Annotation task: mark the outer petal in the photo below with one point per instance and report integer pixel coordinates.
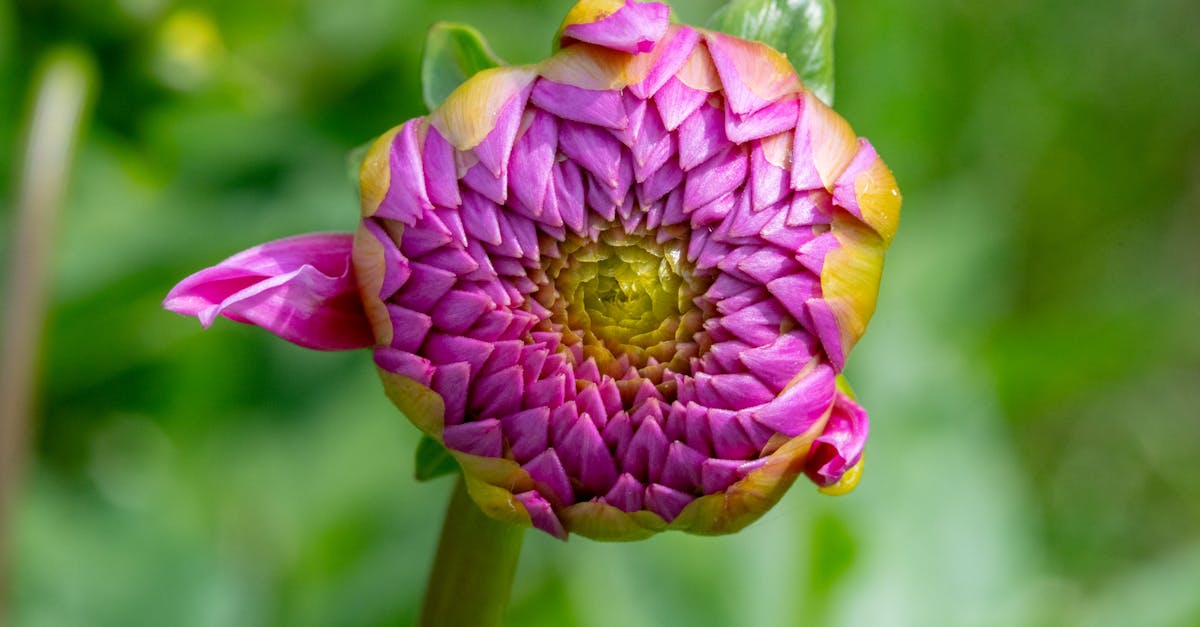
(753, 74)
(849, 287)
(868, 190)
(300, 288)
(470, 112)
(840, 447)
(628, 27)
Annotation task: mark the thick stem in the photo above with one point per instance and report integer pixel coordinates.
(473, 571)
(61, 91)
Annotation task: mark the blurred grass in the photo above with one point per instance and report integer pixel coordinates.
(1031, 371)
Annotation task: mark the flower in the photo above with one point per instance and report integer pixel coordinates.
(619, 285)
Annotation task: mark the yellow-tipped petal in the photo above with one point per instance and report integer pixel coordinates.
(497, 503)
(834, 143)
(601, 521)
(850, 277)
(369, 271)
(847, 483)
(421, 405)
(589, 11)
(469, 113)
(497, 471)
(592, 67)
(879, 199)
(375, 175)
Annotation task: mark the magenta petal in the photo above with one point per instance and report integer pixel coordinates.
(825, 325)
(300, 288)
(672, 54)
(840, 447)
(585, 455)
(406, 197)
(647, 451)
(626, 494)
(527, 432)
(718, 474)
(632, 28)
(450, 381)
(482, 437)
(665, 501)
(800, 406)
(599, 107)
(547, 470)
(541, 514)
(681, 471)
(778, 362)
(771, 119)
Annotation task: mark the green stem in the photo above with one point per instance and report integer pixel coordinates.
(62, 88)
(473, 571)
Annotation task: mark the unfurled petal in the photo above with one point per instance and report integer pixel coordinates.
(300, 288)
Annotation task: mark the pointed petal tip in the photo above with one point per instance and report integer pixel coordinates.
(300, 288)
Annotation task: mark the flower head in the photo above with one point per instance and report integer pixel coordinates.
(619, 285)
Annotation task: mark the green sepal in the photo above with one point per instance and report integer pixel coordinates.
(433, 460)
(801, 29)
(453, 53)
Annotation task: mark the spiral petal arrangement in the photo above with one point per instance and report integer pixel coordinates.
(630, 275)
(619, 285)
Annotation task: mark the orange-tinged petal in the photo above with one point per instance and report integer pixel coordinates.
(833, 141)
(699, 71)
(592, 67)
(778, 149)
(470, 112)
(369, 270)
(751, 66)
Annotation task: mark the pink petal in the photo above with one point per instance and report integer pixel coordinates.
(632, 28)
(300, 288)
(840, 447)
(800, 406)
(541, 514)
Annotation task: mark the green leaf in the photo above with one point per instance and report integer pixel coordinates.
(801, 29)
(453, 53)
(433, 460)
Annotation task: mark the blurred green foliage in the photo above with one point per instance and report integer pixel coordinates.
(1031, 372)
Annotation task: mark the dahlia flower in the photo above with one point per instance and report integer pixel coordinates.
(619, 285)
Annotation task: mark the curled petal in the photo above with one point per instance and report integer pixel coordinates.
(300, 288)
(839, 448)
(629, 27)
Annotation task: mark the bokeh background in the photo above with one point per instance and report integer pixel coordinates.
(1033, 371)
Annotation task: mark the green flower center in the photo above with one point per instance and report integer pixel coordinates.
(629, 300)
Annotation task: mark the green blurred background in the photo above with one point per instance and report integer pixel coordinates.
(1033, 371)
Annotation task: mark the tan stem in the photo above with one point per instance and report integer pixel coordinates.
(61, 91)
